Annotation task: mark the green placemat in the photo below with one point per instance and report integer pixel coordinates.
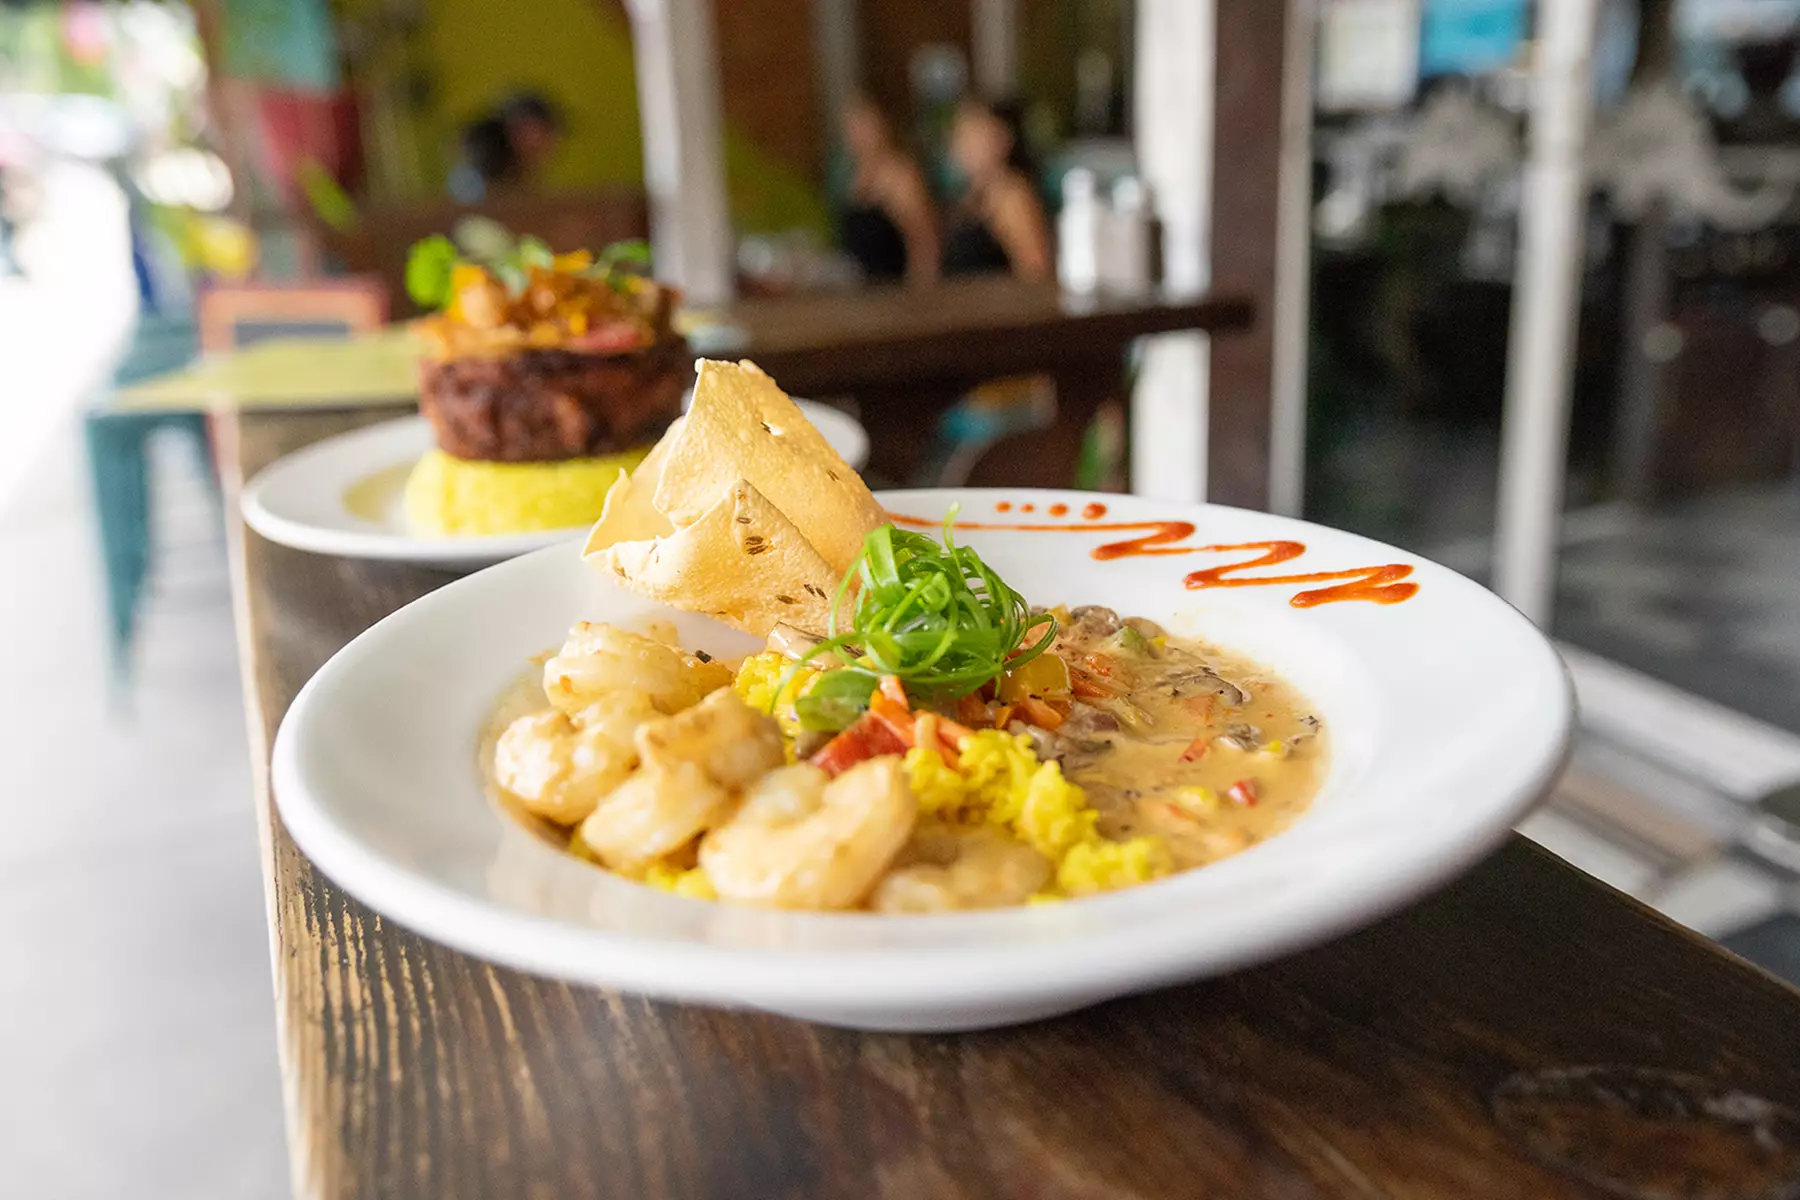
(375, 369)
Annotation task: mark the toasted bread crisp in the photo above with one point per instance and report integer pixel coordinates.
(743, 511)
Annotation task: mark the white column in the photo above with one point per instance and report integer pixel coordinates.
(994, 38)
(684, 150)
(1545, 308)
(1293, 264)
(1173, 107)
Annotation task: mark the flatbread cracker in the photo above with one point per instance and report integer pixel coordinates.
(742, 562)
(743, 511)
(742, 426)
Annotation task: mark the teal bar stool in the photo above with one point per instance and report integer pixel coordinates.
(117, 448)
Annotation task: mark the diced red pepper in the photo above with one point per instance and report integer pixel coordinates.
(868, 738)
(972, 710)
(1243, 793)
(1197, 748)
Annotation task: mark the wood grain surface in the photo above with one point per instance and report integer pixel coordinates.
(959, 330)
(1525, 1032)
(907, 355)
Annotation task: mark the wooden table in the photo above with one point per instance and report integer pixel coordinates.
(1448, 1051)
(908, 354)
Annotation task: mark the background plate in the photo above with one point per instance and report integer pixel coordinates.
(304, 500)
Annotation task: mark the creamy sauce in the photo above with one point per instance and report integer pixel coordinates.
(1194, 745)
(1168, 737)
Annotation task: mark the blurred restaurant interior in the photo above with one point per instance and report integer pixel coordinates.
(1512, 285)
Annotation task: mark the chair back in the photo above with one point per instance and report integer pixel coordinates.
(237, 316)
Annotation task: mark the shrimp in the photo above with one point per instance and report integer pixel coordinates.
(617, 715)
(558, 767)
(802, 839)
(943, 869)
(654, 814)
(599, 658)
(731, 741)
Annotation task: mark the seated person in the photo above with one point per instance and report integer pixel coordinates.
(885, 221)
(999, 222)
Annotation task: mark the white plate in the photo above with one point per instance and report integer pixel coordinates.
(343, 496)
(1449, 716)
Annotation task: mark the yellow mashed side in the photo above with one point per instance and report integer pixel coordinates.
(998, 782)
(449, 496)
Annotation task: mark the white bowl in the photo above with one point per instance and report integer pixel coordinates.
(302, 499)
(1448, 714)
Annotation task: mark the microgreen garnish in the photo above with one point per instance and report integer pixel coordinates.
(936, 616)
(432, 261)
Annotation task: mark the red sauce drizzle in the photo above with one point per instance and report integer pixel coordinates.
(1003, 506)
(1058, 510)
(1094, 512)
(1376, 584)
(1155, 542)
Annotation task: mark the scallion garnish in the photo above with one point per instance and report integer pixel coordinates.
(936, 616)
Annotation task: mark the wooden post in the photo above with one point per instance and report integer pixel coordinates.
(1246, 231)
(684, 150)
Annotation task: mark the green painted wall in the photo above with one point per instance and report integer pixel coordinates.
(579, 54)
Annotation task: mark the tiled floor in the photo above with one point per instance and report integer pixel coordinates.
(1704, 594)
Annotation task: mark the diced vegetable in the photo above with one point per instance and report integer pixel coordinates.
(972, 710)
(1130, 641)
(868, 738)
(1196, 749)
(894, 715)
(1087, 687)
(1129, 714)
(835, 700)
(1045, 676)
(1036, 712)
(1243, 793)
(1197, 800)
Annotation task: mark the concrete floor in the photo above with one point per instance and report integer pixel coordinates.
(137, 1041)
(138, 1036)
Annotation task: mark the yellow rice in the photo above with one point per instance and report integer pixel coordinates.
(449, 496)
